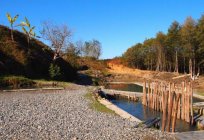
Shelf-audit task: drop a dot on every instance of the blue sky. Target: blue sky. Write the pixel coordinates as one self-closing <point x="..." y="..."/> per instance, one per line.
<point x="117" y="24"/>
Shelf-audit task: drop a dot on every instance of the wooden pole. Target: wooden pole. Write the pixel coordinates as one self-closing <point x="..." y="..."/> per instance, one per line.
<point x="179" y="107"/>
<point x="153" y="104"/>
<point x="161" y="98"/>
<point x="191" y="96"/>
<point x="148" y="94"/>
<point x="183" y="102"/>
<point x="144" y="95"/>
<point x="169" y="93"/>
<point x="185" y="98"/>
<point x="175" y="112"/>
<point x="157" y="98"/>
<point x="164" y="115"/>
<point x="170" y="110"/>
<point x="188" y="104"/>
<point x="151" y="101"/>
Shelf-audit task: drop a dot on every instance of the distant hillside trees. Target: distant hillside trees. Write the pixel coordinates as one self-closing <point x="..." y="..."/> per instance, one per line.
<point x="72" y="54"/>
<point x="175" y="51"/>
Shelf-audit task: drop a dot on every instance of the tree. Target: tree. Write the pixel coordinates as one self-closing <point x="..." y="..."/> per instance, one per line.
<point x="79" y="45"/>
<point x="134" y="56"/>
<point x="200" y="41"/>
<point x="57" y="35"/>
<point x="150" y="53"/>
<point x="188" y="40"/>
<point x="173" y="45"/>
<point x="11" y="21"/>
<point x="71" y="55"/>
<point x="28" y="30"/>
<point x="160" y="47"/>
<point x="92" y="49"/>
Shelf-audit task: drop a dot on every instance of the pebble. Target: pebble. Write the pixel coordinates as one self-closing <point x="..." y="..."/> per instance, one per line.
<point x="64" y="114"/>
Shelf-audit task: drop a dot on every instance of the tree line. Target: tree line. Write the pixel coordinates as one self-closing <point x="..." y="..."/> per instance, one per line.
<point x="181" y="49"/>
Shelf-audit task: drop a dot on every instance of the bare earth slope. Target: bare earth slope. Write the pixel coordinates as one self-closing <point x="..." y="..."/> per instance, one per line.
<point x="125" y="74"/>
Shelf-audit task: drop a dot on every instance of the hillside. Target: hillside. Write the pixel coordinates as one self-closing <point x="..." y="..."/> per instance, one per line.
<point x="121" y="73"/>
<point x="33" y="61"/>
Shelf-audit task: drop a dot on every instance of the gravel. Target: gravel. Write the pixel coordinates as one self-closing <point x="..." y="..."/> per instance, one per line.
<point x="63" y="115"/>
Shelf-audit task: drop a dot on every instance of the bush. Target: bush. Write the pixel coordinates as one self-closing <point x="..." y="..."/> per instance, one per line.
<point x="15" y="82"/>
<point x="54" y="72"/>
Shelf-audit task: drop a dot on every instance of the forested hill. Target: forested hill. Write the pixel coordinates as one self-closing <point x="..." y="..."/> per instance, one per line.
<point x="31" y="60"/>
<point x="181" y="46"/>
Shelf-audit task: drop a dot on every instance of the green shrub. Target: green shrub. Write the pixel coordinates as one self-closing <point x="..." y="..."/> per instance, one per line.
<point x="15" y="82"/>
<point x="54" y="71"/>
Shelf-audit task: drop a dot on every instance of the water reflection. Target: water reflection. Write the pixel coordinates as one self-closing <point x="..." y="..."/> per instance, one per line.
<point x="143" y="113"/>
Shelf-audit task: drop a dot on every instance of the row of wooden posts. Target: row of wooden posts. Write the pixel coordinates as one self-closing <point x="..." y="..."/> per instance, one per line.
<point x="174" y="100"/>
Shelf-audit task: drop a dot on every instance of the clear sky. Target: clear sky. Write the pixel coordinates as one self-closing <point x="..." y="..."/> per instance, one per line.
<point x="117" y="24"/>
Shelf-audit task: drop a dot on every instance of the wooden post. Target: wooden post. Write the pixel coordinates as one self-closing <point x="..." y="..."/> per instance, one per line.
<point x="161" y="98"/>
<point x="175" y="112"/>
<point x="153" y="104"/>
<point x="185" y="98"/>
<point x="183" y="102"/>
<point x="148" y="94"/>
<point x="165" y="99"/>
<point x="144" y="102"/>
<point x="170" y="110"/>
<point x="179" y="107"/>
<point x="191" y="96"/>
<point x="187" y="103"/>
<point x="169" y="92"/>
<point x="151" y="101"/>
<point x="157" y="98"/>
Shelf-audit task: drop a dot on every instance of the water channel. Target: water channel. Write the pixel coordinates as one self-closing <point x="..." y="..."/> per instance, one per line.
<point x="143" y="113"/>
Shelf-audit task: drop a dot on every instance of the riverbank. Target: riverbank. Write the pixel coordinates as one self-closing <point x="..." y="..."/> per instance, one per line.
<point x="63" y="114"/>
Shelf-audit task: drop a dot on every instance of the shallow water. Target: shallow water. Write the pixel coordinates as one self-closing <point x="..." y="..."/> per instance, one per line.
<point x="143" y="113"/>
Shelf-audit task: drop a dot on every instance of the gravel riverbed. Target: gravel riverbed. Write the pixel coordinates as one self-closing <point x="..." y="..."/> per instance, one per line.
<point x="63" y="115"/>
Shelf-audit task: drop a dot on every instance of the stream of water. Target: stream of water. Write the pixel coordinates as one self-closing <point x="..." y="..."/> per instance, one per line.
<point x="143" y="113"/>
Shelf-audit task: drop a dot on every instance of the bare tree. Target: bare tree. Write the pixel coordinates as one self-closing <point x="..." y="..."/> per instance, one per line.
<point x="79" y="45"/>
<point x="57" y="35"/>
<point x="92" y="49"/>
